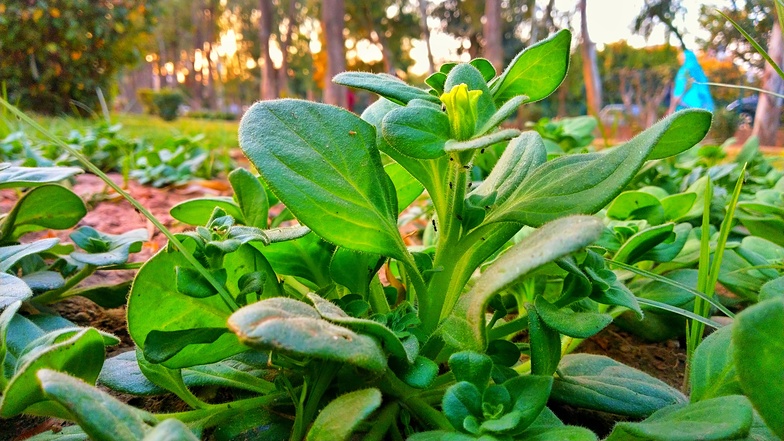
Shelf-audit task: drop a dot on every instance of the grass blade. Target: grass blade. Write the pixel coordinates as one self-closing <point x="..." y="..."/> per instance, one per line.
<point x="673" y="283"/>
<point x="754" y="43"/>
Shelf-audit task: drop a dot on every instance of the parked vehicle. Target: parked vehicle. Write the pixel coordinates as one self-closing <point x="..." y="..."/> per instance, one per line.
<point x="745" y="108"/>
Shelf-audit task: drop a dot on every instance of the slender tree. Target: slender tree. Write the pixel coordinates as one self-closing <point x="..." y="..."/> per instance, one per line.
<point x="766" y="119"/>
<point x="493" y="34"/>
<point x="426" y="35"/>
<point x="654" y="12"/>
<point x="268" y="89"/>
<point x="593" y="84"/>
<point x="332" y="22"/>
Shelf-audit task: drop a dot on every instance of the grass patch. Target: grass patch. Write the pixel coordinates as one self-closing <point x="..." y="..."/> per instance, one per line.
<point x="218" y="135"/>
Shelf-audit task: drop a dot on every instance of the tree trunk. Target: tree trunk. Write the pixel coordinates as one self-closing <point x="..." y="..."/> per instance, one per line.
<point x="268" y="91"/>
<point x="494" y="49"/>
<point x="332" y="21"/>
<point x="431" y="67"/>
<point x="593" y="87"/>
<point x="766" y="119"/>
<point x="283" y="73"/>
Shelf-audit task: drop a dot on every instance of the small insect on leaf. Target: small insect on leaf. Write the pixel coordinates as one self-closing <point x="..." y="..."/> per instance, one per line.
<point x="352" y="133"/>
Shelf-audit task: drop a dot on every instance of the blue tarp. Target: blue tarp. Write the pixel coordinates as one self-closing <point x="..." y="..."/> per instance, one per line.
<point x="687" y="91"/>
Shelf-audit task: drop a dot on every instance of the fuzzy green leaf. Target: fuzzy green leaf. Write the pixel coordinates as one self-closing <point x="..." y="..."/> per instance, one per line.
<point x="11" y="177"/>
<point x="47" y="206"/>
<point x="418" y="132"/>
<point x="571" y="323"/>
<point x="545" y="245"/>
<point x="713" y="372"/>
<point x="585" y="183"/>
<point x="251" y="197"/>
<point x="296" y="328"/>
<point x="154" y="304"/>
<point x="322" y="162"/>
<point x="100" y="415"/>
<point x="383" y="85"/>
<point x="759" y="359"/>
<point x="537" y="71"/>
<point x="600" y="383"/>
<point x="198" y="211"/>
<point x="717" y="419"/>
<point x="342" y="415"/>
<point x="80" y="354"/>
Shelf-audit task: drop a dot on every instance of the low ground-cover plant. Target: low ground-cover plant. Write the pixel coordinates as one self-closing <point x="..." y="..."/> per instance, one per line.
<point x="45" y="271"/>
<point x="175" y="161"/>
<point x="297" y="322"/>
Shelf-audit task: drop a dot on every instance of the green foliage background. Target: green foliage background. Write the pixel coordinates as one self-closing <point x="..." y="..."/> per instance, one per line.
<point x="56" y="53"/>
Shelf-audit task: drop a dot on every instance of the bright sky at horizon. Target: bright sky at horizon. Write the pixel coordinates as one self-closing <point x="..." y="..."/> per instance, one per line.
<point x="608" y="21"/>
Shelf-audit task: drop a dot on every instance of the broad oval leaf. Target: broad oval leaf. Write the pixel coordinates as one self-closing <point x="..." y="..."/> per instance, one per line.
<point x="296" y="328"/>
<point x="47" y="206"/>
<point x="418" y="132"/>
<point x="627" y="204"/>
<point x="115" y="247"/>
<point x="585" y="183"/>
<point x="383" y="85"/>
<point x="100" y="415"/>
<point x="251" y="197"/>
<point x="12" y="289"/>
<point x="198" y="211"/>
<point x="154" y="304"/>
<point x="713" y="372"/>
<point x="716" y="419"/>
<point x="759" y="359"/>
<point x="601" y="383"/>
<point x="537" y="71"/>
<point x="342" y="415"/>
<point x="81" y="354"/>
<point x="322" y="162"/>
<point x="34" y="176"/>
<point x="571" y="323"/>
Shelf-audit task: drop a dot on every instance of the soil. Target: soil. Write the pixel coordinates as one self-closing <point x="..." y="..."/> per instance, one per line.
<point x="111" y="214"/>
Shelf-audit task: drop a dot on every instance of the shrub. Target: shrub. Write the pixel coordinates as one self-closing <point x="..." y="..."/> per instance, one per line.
<point x="56" y="53"/>
<point x="167" y="103"/>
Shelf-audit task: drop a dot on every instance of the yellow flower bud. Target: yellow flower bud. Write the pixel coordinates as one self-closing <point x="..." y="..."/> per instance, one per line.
<point x="461" y="108"/>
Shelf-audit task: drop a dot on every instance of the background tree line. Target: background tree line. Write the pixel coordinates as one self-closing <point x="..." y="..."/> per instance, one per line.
<point x="224" y="54"/>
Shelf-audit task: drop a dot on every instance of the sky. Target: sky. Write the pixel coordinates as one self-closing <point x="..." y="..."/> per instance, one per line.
<point x="608" y="21"/>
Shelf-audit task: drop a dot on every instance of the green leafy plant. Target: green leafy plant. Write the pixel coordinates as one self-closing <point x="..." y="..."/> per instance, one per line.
<point x="296" y="321"/>
<point x="167" y="104"/>
<point x="45" y="271"/>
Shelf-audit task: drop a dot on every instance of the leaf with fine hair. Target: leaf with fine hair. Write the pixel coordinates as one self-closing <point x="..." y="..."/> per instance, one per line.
<point x="465" y="326"/>
<point x="342" y="415"/>
<point x="322" y="162"/>
<point x="584" y="183"/>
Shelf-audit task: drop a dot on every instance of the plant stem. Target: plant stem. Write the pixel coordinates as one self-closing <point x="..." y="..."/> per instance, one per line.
<point x="449" y="231"/>
<point x="230" y="408"/>
<point x="61" y="293"/>
<point x="225" y="296"/>
<point x="323" y="375"/>
<point x="377" y="298"/>
<point x="393" y="386"/>
<point x="385" y="419"/>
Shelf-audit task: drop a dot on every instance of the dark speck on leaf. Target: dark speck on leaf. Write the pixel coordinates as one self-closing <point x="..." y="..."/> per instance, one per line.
<point x="434" y="225"/>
